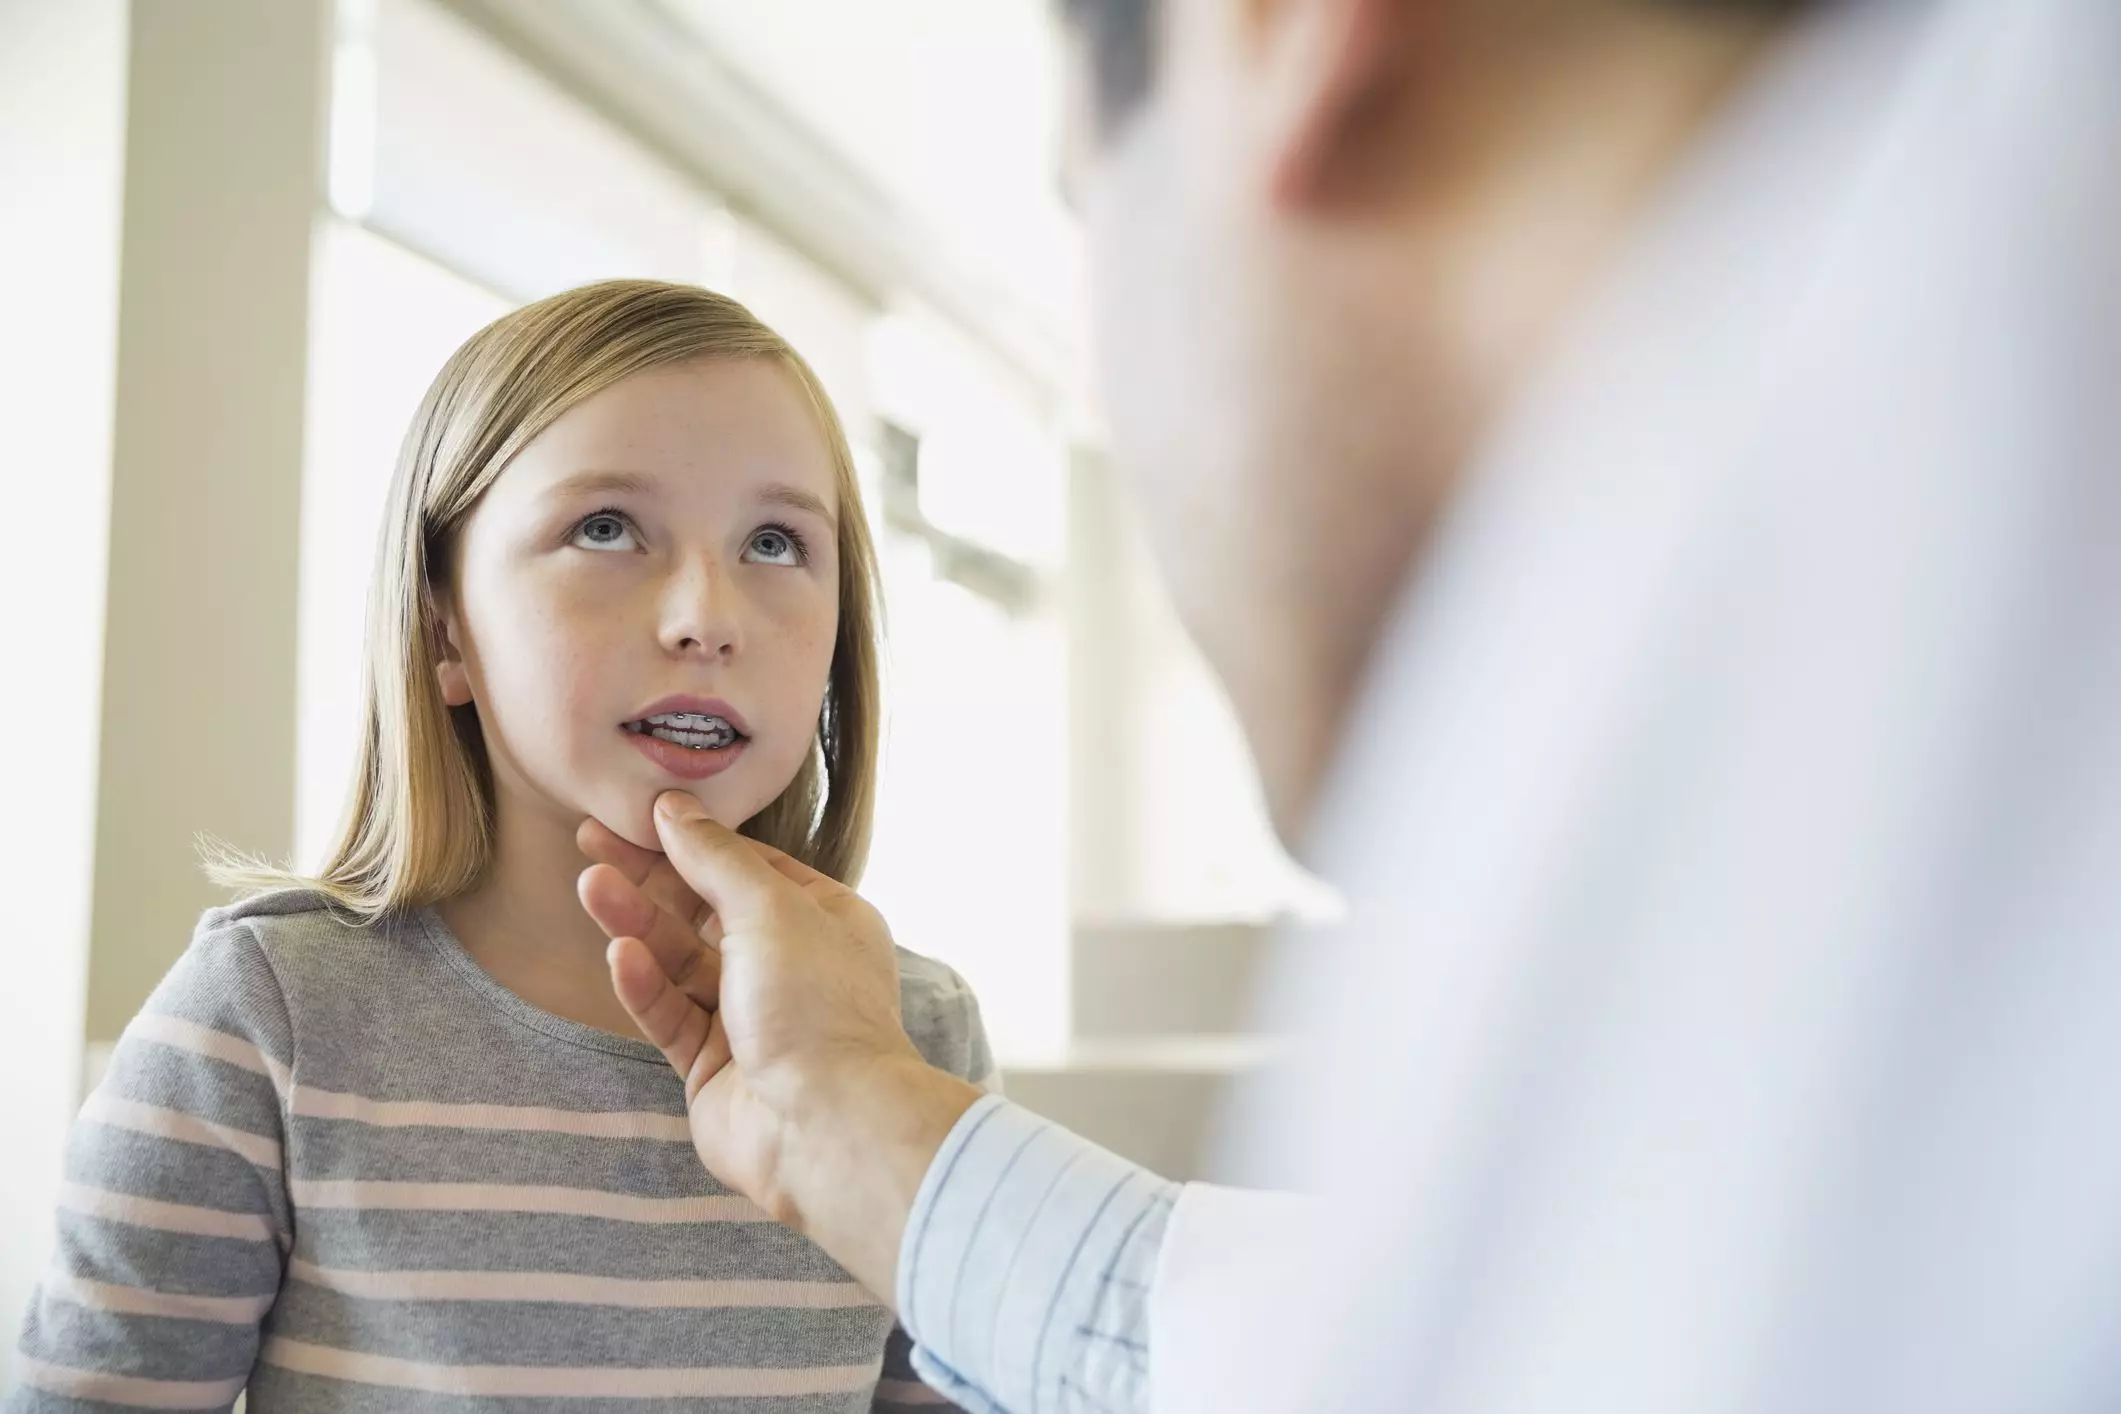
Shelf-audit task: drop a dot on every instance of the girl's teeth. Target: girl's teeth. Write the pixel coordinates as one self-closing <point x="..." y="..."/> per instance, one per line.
<point x="696" y="741"/>
<point x="690" y="722"/>
<point x="695" y="731"/>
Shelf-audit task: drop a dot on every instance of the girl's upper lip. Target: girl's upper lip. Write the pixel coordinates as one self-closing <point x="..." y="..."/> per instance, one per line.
<point x="704" y="706"/>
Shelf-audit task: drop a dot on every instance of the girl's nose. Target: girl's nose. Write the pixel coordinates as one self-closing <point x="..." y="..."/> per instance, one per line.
<point x="700" y="613"/>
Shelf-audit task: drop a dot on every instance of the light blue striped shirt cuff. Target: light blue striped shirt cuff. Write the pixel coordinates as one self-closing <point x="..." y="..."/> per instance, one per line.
<point x="1024" y="1278"/>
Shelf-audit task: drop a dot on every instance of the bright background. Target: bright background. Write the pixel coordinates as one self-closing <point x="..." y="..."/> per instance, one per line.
<point x="241" y="237"/>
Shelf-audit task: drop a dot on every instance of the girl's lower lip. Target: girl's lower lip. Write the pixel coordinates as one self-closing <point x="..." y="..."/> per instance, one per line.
<point x="684" y="762"/>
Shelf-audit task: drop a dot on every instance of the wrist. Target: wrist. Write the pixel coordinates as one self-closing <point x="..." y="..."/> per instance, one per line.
<point x="860" y="1137"/>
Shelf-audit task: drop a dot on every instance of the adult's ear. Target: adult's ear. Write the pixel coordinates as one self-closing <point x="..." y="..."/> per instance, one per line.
<point x="1328" y="72"/>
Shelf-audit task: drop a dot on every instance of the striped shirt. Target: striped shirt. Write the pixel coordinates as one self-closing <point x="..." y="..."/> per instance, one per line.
<point x="1025" y="1272"/>
<point x="344" y="1169"/>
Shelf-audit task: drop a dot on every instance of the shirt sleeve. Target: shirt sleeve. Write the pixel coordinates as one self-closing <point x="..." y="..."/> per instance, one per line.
<point x="173" y="1218"/>
<point x="1024" y="1277"/>
<point x="900" y="1389"/>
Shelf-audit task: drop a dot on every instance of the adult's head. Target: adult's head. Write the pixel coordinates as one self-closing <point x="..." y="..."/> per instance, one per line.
<point x="1328" y="237"/>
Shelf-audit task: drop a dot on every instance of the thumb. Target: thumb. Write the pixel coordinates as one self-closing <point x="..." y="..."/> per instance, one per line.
<point x="716" y="861"/>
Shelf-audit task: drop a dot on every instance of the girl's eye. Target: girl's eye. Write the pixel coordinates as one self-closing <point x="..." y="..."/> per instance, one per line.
<point x="775" y="545"/>
<point x="606" y="530"/>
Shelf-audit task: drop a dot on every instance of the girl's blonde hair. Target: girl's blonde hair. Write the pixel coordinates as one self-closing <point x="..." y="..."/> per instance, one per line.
<point x="419" y="823"/>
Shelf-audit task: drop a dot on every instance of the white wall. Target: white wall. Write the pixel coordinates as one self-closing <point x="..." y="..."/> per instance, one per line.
<point x="62" y="137"/>
<point x="486" y="166"/>
<point x="224" y="165"/>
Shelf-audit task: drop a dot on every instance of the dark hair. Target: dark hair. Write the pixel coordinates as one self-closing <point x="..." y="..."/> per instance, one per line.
<point x="1120" y="38"/>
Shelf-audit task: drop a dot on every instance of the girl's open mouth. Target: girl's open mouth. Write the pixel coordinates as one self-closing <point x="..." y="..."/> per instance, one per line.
<point x="696" y="731"/>
<point x="689" y="745"/>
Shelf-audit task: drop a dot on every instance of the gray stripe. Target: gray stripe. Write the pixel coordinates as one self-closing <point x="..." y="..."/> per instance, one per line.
<point x="211" y="1090"/>
<point x="497" y="1333"/>
<point x="154" y="1347"/>
<point x="273" y="1389"/>
<point x="171" y="1261"/>
<point x="546" y="1242"/>
<point x="103" y="1156"/>
<point x="335" y="1149"/>
<point x="206" y="1266"/>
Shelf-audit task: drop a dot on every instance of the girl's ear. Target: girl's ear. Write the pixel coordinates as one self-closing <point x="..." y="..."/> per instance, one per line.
<point x="451" y="675"/>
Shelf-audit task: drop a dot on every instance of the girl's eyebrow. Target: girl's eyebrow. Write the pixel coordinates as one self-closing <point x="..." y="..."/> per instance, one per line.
<point x="795" y="498"/>
<point x="584" y="483"/>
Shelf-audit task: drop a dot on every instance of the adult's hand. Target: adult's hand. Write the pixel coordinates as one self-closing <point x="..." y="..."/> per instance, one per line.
<point x="637" y="893"/>
<point x="773" y="992"/>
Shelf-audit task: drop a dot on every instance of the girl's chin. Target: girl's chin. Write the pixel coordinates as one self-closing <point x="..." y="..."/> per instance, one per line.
<point x="637" y="828"/>
<point x="635" y="822"/>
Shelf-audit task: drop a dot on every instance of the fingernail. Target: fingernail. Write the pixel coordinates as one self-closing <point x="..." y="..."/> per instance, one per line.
<point x="676" y="805"/>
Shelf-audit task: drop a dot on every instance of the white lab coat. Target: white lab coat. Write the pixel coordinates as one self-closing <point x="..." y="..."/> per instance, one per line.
<point x="1728" y="1014"/>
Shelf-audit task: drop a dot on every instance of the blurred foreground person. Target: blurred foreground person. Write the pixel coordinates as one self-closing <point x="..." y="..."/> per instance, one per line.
<point x="1648" y="475"/>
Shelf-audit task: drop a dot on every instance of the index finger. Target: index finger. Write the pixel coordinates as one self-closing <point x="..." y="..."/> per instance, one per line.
<point x="719" y="864"/>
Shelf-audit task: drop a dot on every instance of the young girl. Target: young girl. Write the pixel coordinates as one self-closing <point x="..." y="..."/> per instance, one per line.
<point x="384" y="1138"/>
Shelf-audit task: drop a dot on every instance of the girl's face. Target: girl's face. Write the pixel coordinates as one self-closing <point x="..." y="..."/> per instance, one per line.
<point x="647" y="600"/>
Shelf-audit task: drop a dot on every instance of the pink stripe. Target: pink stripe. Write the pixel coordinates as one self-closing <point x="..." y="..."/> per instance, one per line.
<point x="562" y="1381"/>
<point x="129" y="1389"/>
<point x="139" y="1301"/>
<point x="205" y="1041"/>
<point x="570" y="1289"/>
<point x="162" y="1217"/>
<point x="107" y="1109"/>
<point x="527" y="1119"/>
<point x="511" y="1198"/>
<point x="908" y="1392"/>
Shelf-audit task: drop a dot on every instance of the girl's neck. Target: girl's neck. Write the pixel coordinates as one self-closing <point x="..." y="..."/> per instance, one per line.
<point x="523" y="924"/>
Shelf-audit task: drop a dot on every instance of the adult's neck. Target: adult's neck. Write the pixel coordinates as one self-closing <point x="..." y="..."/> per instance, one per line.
<point x="1550" y="127"/>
